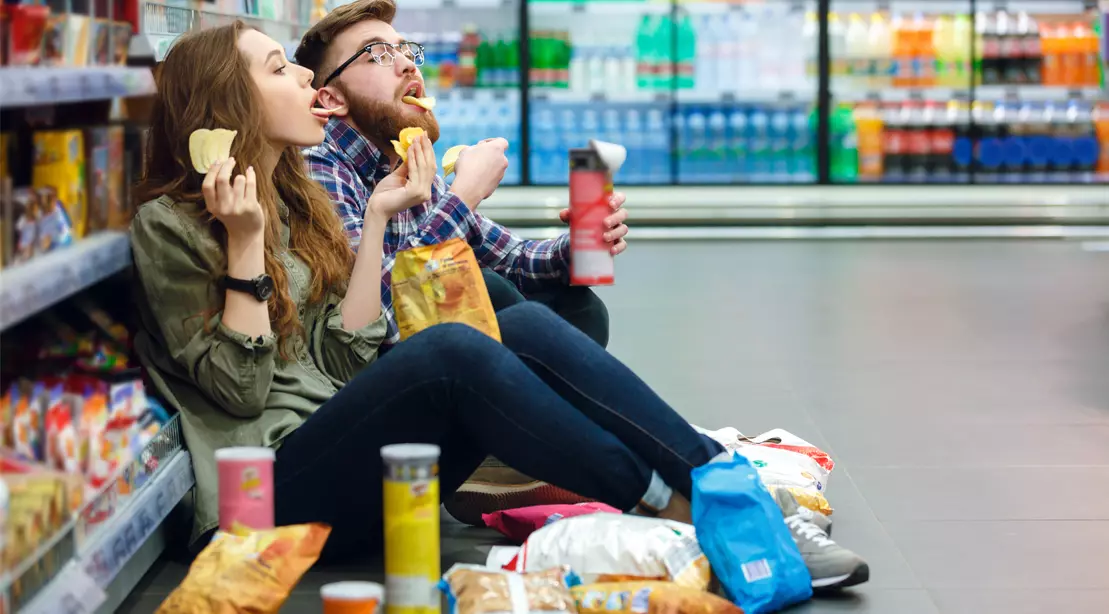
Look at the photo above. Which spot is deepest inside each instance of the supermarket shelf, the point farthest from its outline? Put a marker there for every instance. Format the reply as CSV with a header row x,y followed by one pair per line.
x,y
563,96
738,205
455,4
1029,93
86,579
598,7
785,96
28,288
952,7
22,86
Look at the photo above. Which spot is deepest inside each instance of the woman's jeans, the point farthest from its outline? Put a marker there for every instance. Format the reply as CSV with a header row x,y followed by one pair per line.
x,y
548,402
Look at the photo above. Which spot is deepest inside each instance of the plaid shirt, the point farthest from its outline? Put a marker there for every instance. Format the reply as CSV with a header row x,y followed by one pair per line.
x,y
349,167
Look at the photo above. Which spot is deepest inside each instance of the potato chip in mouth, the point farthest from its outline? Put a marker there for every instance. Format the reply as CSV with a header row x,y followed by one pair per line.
x,y
206,147
427,102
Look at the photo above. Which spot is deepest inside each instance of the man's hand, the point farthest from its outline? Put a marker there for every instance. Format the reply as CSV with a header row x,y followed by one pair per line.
x,y
616,228
479,171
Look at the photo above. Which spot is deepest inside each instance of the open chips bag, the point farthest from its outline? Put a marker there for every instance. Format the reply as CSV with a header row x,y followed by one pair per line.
x,y
440,283
247,571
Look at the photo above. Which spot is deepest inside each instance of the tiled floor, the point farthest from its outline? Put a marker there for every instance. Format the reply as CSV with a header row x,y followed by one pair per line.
x,y
962,387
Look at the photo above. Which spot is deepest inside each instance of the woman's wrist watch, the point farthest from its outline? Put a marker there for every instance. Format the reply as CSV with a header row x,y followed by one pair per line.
x,y
261,287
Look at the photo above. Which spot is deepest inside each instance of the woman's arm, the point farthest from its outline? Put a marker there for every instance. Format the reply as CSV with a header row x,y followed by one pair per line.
x,y
362,305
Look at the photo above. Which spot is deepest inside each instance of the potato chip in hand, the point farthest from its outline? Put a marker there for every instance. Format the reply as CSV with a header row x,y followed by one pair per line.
x,y
206,147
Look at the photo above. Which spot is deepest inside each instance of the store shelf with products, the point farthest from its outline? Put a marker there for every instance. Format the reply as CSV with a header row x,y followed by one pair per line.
x,y
162,22
24,86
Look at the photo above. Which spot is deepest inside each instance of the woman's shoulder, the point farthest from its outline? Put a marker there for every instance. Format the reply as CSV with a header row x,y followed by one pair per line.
x,y
165,221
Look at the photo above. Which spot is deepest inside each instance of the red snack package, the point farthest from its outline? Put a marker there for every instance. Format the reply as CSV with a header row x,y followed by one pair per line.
x,y
520,523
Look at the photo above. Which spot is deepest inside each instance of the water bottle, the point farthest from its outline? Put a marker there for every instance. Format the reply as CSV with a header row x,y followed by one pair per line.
x,y
803,168
634,169
780,146
657,147
760,145
684,153
739,158
505,122
1086,150
717,155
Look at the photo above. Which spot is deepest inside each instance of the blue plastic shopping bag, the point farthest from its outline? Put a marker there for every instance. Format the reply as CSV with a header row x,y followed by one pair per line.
x,y
741,532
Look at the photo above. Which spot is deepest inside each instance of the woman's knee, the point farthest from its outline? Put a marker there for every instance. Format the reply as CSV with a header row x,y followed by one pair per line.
x,y
455,343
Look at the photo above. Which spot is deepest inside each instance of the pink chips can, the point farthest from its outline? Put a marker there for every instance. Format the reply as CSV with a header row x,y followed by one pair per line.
x,y
245,487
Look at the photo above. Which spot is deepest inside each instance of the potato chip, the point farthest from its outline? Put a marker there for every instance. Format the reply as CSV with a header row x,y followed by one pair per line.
x,y
450,158
404,141
207,147
427,102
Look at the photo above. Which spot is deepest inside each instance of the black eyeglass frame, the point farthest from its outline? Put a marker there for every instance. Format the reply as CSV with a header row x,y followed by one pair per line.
x,y
417,58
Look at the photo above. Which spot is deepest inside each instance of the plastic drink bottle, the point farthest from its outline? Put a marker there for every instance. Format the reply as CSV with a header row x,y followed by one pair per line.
x,y
411,519
687,52
1101,126
837,45
903,50
924,53
1070,50
1088,49
962,37
591,171
944,43
809,34
868,124
879,45
1051,68
858,65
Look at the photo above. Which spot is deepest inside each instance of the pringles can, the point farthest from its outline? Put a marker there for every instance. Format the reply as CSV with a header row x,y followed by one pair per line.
x,y
352,597
591,171
411,519
245,487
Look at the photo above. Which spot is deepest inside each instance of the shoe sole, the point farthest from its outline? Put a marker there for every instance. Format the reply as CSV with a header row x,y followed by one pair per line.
x,y
474,499
858,576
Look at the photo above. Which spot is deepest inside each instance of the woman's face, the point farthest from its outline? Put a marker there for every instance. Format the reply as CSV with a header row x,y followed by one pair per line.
x,y
286,90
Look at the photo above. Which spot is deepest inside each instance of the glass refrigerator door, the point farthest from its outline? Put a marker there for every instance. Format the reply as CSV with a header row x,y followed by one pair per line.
x,y
1040,106
472,68
601,69
901,86
746,92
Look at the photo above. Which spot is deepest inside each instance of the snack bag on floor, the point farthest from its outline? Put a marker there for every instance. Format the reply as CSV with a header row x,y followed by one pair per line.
x,y
648,598
741,530
520,523
440,283
247,572
612,548
472,589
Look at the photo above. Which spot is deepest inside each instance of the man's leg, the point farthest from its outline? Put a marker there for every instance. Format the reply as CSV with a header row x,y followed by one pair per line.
x,y
578,305
502,293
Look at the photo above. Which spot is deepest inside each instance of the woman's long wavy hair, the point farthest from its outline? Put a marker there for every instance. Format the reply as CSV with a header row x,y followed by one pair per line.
x,y
205,82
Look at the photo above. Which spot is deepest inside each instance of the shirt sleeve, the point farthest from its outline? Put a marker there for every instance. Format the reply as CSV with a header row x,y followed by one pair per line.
x,y
347,194
341,353
531,265
233,370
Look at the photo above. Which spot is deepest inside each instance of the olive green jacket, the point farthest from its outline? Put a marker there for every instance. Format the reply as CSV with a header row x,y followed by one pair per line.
x,y
231,390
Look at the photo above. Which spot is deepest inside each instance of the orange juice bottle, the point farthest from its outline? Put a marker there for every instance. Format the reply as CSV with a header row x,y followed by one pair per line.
x,y
1050,43
1101,123
1089,56
903,53
1071,52
868,126
925,52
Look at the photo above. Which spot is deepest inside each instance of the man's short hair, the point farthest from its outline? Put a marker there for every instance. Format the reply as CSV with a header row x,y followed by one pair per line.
x,y
312,53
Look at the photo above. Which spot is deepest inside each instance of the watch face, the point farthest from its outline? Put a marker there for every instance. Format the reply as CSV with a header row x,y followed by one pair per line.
x,y
264,288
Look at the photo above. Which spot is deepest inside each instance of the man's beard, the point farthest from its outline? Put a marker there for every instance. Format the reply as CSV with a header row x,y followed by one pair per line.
x,y
381,122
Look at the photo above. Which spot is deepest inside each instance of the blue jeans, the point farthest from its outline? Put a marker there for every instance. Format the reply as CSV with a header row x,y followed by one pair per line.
x,y
548,402
578,305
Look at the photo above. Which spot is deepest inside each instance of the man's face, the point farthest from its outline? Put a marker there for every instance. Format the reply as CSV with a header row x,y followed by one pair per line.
x,y
368,94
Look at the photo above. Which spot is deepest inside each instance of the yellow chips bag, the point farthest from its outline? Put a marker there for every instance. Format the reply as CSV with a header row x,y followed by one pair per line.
x,y
441,283
247,571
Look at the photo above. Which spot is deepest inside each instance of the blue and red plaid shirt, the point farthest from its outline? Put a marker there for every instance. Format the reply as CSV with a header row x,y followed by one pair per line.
x,y
348,166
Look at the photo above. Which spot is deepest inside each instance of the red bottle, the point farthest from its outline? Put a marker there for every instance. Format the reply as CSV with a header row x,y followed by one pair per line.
x,y
591,171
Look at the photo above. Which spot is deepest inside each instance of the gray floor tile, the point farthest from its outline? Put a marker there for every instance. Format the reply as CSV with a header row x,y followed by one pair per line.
x,y
1016,601
899,440
1005,554
985,493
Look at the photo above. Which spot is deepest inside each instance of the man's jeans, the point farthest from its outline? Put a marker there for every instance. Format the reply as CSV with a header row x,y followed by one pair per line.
x,y
578,305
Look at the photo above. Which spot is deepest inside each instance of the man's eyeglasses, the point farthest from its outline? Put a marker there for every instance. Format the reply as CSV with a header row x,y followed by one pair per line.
x,y
384,54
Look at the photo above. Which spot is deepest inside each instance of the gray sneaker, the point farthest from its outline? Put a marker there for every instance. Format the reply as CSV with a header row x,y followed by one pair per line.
x,y
830,565
816,518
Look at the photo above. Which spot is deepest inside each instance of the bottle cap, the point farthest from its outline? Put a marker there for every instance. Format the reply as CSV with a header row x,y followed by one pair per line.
x,y
611,154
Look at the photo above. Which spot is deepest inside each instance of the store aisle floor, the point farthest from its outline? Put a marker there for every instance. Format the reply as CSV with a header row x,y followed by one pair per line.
x,y
962,387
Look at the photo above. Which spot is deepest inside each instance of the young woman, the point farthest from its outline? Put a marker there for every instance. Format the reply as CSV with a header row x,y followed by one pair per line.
x,y
262,328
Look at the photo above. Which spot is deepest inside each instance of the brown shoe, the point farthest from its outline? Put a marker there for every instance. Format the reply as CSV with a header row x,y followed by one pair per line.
x,y
496,487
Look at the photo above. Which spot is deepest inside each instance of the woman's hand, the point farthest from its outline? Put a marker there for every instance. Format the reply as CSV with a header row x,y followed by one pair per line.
x,y
236,204
407,186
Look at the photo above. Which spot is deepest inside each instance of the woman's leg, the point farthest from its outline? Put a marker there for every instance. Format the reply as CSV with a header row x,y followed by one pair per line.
x,y
455,387
606,391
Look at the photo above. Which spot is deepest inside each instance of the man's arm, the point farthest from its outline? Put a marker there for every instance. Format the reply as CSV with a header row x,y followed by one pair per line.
x,y
348,194
531,265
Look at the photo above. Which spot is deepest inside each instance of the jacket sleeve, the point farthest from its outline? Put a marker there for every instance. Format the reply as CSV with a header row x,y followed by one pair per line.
x,y
177,278
342,353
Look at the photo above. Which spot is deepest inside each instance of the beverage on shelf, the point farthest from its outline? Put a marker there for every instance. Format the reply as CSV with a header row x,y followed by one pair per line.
x,y
727,143
687,54
879,45
843,146
868,127
1101,129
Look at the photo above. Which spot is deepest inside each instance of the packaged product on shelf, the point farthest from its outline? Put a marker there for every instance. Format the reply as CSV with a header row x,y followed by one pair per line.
x,y
55,229
60,164
100,39
121,39
53,40
248,572
518,524
63,448
26,421
648,598
472,589
7,236
612,548
77,36
27,22
105,174
25,210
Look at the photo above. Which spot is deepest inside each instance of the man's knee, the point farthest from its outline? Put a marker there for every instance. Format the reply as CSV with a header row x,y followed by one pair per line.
x,y
502,293
582,308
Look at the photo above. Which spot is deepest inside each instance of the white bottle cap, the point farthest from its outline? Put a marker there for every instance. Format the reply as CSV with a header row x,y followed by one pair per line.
x,y
611,154
353,591
410,452
245,453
